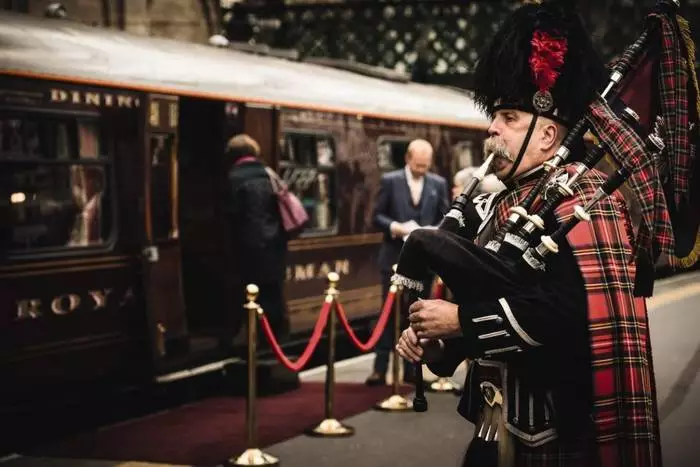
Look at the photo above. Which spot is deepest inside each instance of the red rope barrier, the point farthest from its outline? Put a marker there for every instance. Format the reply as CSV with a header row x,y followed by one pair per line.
x,y
378,329
310,347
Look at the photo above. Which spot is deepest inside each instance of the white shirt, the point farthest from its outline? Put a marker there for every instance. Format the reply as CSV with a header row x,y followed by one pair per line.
x,y
415,185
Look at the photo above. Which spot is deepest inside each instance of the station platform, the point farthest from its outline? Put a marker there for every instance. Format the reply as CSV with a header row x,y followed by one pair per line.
x,y
380,438
439,436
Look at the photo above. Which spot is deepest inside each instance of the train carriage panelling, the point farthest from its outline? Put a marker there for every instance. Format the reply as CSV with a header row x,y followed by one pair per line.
x,y
161,259
342,122
48,316
332,162
69,227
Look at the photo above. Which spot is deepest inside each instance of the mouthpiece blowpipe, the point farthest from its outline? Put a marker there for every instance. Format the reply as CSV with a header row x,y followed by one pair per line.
x,y
478,176
454,219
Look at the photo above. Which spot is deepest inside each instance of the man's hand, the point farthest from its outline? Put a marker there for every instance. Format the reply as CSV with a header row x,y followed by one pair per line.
x,y
414,350
397,230
434,319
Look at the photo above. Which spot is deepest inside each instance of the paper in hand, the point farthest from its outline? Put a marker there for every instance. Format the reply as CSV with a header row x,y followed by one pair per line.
x,y
412,225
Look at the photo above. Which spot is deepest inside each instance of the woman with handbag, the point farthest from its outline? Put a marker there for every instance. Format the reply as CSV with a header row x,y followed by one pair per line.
x,y
258,240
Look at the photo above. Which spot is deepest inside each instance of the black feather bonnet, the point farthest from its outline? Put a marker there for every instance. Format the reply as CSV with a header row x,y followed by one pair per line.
x,y
541,61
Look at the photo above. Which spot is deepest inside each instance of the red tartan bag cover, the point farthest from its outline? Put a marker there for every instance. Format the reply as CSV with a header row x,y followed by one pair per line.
x,y
624,410
294,216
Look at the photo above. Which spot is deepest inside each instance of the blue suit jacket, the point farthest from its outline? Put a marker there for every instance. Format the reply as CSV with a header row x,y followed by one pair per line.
x,y
394,203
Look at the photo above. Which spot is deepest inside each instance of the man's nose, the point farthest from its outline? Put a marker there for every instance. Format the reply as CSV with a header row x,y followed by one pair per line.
x,y
493,129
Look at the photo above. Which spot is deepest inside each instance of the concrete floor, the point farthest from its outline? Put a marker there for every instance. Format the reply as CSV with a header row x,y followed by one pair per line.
x,y
439,436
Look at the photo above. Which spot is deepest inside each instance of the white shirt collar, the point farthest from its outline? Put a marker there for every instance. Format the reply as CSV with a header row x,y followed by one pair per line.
x,y
414,185
410,178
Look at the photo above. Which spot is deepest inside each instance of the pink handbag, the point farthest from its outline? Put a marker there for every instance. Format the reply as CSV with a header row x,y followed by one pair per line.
x,y
292,212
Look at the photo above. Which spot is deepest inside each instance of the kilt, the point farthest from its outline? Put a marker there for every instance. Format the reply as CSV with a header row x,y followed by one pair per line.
x,y
624,411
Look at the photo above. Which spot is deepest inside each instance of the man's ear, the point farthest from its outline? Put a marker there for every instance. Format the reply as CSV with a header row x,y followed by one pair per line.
x,y
550,136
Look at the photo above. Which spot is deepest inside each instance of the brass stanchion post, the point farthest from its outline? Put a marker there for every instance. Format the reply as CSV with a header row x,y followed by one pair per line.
x,y
252,455
330,427
443,384
395,402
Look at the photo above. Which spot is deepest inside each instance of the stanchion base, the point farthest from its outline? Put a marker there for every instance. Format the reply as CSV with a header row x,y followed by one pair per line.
x,y
331,427
443,385
395,403
253,457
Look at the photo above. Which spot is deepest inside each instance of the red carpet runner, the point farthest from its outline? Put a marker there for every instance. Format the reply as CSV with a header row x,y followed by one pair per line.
x,y
212,430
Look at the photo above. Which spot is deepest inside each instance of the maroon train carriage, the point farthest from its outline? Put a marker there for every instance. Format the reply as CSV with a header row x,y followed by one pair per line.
x,y
110,186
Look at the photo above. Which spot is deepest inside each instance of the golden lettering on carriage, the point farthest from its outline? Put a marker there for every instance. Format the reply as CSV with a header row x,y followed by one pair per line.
x,y
93,98
63,304
309,271
154,117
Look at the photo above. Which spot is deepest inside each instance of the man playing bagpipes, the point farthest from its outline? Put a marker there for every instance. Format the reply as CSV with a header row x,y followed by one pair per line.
x,y
550,275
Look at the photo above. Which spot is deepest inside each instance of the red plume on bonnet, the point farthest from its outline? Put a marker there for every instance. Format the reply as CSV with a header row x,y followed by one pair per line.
x,y
546,59
541,60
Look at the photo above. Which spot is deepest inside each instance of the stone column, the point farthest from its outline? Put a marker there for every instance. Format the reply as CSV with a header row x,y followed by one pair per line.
x,y
187,20
85,11
136,16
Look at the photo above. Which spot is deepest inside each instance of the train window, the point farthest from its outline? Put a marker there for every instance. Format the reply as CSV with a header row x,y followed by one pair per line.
x,y
88,140
463,154
307,165
54,183
391,152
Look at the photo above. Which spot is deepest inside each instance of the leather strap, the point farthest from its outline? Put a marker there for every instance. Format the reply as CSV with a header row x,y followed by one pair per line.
x,y
523,147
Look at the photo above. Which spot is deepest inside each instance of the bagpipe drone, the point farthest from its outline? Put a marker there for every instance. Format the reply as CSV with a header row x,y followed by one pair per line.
x,y
631,118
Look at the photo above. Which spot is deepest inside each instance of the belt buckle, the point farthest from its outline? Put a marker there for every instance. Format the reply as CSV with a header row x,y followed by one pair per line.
x,y
492,394
491,415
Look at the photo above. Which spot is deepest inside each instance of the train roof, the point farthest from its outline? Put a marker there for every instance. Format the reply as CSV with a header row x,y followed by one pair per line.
x,y
70,51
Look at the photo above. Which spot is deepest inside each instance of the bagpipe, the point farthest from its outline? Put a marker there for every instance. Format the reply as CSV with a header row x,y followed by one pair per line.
x,y
519,251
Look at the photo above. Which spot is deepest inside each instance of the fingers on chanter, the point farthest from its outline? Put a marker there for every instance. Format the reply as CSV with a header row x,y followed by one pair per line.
x,y
416,351
412,336
415,307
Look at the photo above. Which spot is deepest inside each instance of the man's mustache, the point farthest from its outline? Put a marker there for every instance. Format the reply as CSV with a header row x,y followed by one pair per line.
x,y
498,148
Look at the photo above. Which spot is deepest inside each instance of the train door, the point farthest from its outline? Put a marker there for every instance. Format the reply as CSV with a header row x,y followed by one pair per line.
x,y
205,127
161,251
202,137
261,124
209,268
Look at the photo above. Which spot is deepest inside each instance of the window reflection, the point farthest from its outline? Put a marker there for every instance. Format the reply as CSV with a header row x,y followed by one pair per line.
x,y
49,139
308,167
88,140
62,142
391,153
54,183
19,138
87,184
55,206
463,153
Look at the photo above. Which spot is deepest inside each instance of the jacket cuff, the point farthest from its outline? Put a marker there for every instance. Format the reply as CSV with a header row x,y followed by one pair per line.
x,y
391,229
452,356
491,329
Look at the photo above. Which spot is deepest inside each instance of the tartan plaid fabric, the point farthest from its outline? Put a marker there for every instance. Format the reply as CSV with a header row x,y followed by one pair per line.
x,y
671,93
624,399
628,149
673,97
576,453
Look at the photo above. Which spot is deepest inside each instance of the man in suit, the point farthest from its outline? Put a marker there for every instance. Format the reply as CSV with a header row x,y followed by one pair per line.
x,y
408,194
